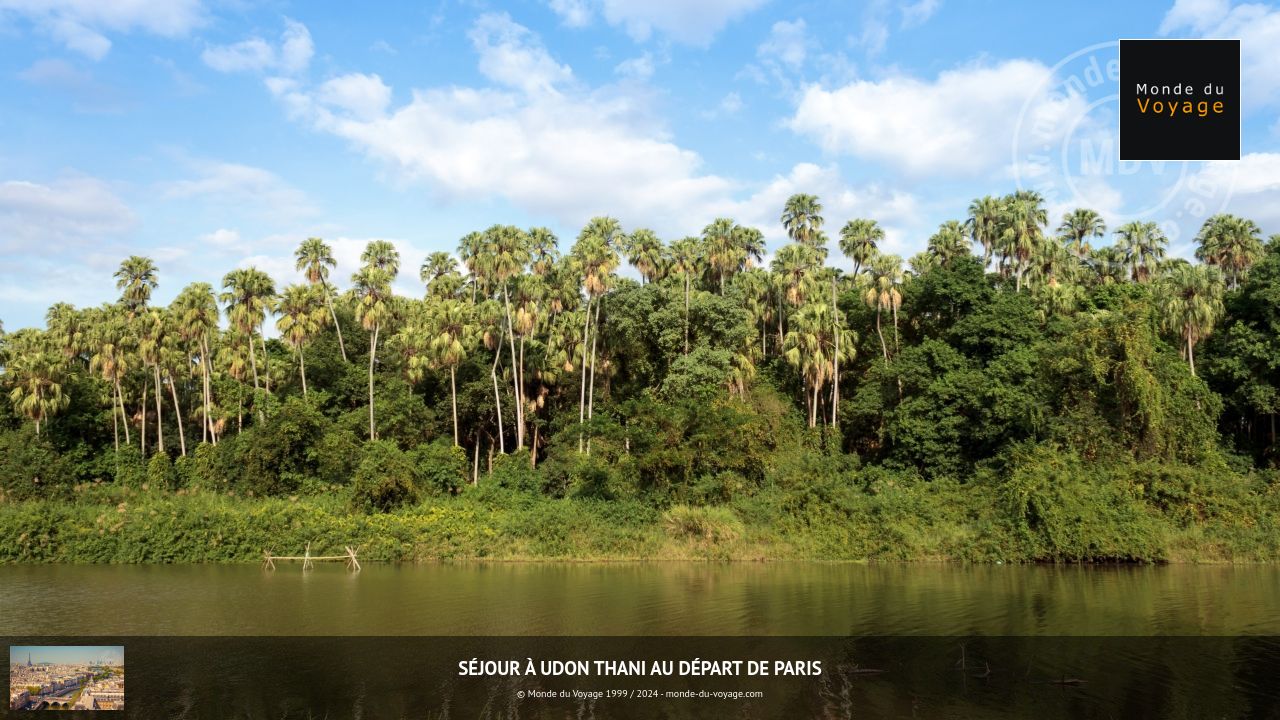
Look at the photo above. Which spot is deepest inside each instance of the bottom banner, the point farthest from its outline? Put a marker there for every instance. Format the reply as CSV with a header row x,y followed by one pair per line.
x,y
647,677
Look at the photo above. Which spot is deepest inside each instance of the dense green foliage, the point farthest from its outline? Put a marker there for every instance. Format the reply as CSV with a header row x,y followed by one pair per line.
x,y
1046,401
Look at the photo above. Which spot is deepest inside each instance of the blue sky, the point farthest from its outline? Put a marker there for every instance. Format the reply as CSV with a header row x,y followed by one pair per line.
x,y
66,654
211,134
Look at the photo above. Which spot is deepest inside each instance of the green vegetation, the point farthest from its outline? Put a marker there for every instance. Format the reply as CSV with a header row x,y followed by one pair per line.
x,y
1046,400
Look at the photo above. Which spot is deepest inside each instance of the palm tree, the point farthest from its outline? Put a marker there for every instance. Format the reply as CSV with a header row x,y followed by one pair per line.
x,y
315,259
247,295
150,346
452,331
984,219
372,288
1078,226
686,261
196,311
1191,302
596,256
1231,243
543,251
301,317
723,253
859,240
439,272
881,293
949,243
795,265
802,218
1143,246
645,252
136,278
34,372
1021,230
111,358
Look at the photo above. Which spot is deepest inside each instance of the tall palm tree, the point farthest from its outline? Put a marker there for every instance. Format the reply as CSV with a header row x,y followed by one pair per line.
x,y
802,218
596,256
1231,243
452,331
1022,229
723,252
111,358
247,295
686,261
34,373
859,240
1191,302
196,311
796,266
1143,245
439,272
645,252
1078,226
949,243
136,278
150,348
301,312
543,251
371,286
881,292
315,259
984,219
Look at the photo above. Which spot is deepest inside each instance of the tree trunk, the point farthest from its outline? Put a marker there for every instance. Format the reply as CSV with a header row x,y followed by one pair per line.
x,y
266,360
115,426
1191,357
515,372
475,466
373,353
159,415
883,347
177,413
591,392
328,299
453,392
582,393
835,360
533,449
497,397
686,313
302,370
208,390
143,438
123,417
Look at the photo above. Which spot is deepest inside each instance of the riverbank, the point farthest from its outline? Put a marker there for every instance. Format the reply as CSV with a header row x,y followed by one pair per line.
x,y
1158,514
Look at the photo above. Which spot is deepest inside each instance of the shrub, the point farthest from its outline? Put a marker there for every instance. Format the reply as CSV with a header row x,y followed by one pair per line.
x,y
384,480
707,524
440,467
30,467
160,472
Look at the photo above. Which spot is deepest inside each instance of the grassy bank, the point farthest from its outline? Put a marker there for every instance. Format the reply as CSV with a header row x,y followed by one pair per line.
x,y
1053,510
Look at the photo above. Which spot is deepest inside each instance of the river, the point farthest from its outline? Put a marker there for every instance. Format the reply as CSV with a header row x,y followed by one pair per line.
x,y
894,640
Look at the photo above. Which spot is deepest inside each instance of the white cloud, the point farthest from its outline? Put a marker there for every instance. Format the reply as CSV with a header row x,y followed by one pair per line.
x,y
363,96
898,212
37,218
86,93
81,25
222,238
919,12
787,43
573,13
961,123
1254,186
513,56
256,55
1258,28
237,187
538,139
639,68
690,23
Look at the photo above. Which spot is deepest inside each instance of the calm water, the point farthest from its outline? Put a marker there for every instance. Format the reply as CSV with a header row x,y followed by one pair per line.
x,y
640,599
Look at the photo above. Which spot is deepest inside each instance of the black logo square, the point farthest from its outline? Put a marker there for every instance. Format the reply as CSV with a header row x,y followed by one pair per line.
x,y
1179,99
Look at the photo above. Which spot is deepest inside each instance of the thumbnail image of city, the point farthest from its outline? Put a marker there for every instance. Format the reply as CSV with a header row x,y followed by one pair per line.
x,y
66,677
